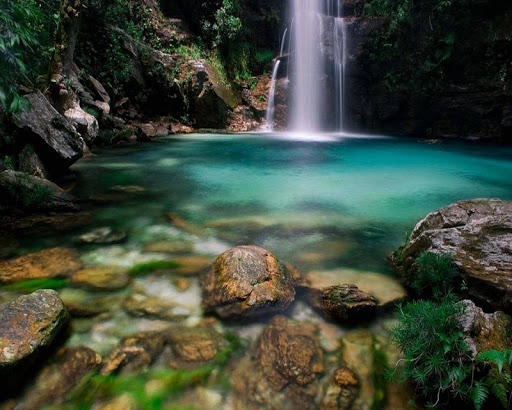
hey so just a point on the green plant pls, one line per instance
(498, 380)
(29, 286)
(436, 275)
(152, 266)
(23, 192)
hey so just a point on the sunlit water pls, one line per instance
(294, 194)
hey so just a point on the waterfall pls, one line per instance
(271, 96)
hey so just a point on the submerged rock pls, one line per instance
(48, 263)
(477, 234)
(134, 354)
(142, 305)
(384, 288)
(192, 347)
(57, 380)
(105, 235)
(29, 324)
(101, 278)
(81, 303)
(281, 371)
(341, 391)
(170, 246)
(346, 303)
(246, 281)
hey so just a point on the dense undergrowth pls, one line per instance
(437, 359)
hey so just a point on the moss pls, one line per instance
(152, 266)
(29, 286)
(380, 371)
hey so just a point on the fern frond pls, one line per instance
(499, 390)
(493, 356)
(479, 394)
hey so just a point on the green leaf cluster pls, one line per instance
(436, 275)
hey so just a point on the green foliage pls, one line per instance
(22, 192)
(435, 276)
(29, 286)
(26, 44)
(152, 266)
(498, 380)
(436, 356)
(422, 45)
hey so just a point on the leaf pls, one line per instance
(479, 394)
(492, 356)
(500, 392)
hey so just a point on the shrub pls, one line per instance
(435, 277)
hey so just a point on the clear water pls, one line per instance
(318, 202)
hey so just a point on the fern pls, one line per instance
(493, 356)
(479, 394)
(499, 390)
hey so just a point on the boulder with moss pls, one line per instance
(246, 281)
(477, 235)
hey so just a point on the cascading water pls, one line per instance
(271, 96)
(317, 75)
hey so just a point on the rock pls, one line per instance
(101, 278)
(210, 98)
(346, 303)
(191, 265)
(105, 235)
(181, 284)
(30, 163)
(124, 401)
(341, 391)
(150, 130)
(477, 234)
(134, 353)
(192, 347)
(246, 281)
(31, 193)
(142, 305)
(84, 123)
(48, 263)
(485, 331)
(384, 288)
(98, 89)
(81, 303)
(281, 371)
(183, 224)
(29, 324)
(49, 132)
(58, 379)
(170, 246)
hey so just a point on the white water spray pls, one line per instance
(271, 97)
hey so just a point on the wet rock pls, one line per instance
(105, 235)
(170, 246)
(341, 391)
(192, 347)
(29, 192)
(49, 132)
(101, 278)
(477, 234)
(281, 371)
(346, 303)
(384, 288)
(246, 281)
(191, 265)
(57, 380)
(129, 189)
(142, 305)
(30, 163)
(81, 303)
(485, 331)
(29, 324)
(181, 284)
(54, 222)
(48, 263)
(181, 223)
(134, 353)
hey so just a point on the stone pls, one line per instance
(170, 246)
(485, 331)
(346, 303)
(84, 123)
(246, 281)
(84, 304)
(99, 236)
(124, 401)
(149, 306)
(341, 391)
(31, 193)
(184, 225)
(49, 132)
(194, 346)
(191, 265)
(57, 379)
(134, 353)
(30, 163)
(101, 278)
(282, 369)
(384, 288)
(29, 324)
(48, 263)
(98, 89)
(477, 235)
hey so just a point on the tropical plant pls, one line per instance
(435, 277)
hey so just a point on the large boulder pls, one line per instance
(29, 324)
(246, 281)
(31, 193)
(477, 234)
(52, 135)
(282, 371)
(48, 263)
